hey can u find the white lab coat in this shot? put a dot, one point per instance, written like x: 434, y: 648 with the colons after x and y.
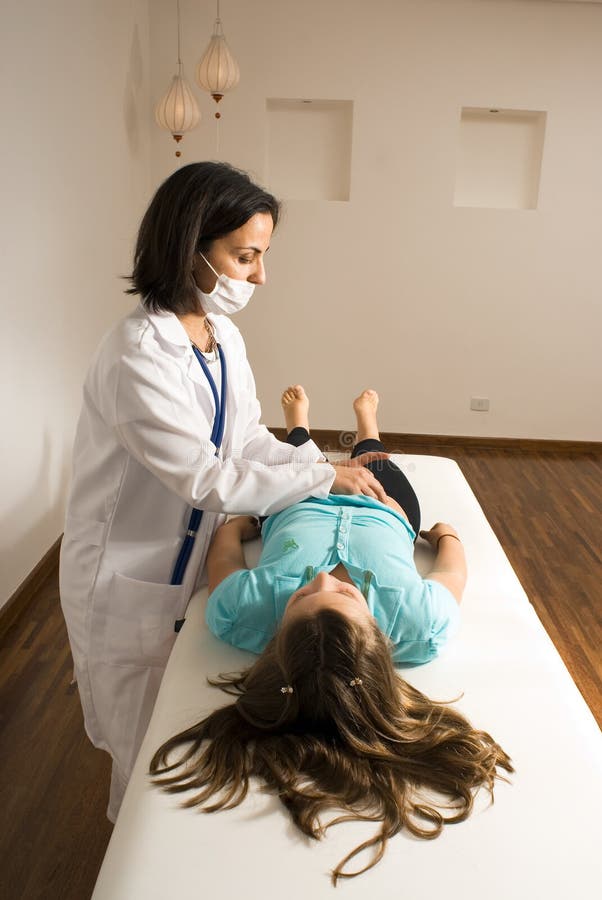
x: 142, y: 457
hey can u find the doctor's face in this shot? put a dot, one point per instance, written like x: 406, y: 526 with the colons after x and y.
x: 327, y: 592
x: 239, y: 254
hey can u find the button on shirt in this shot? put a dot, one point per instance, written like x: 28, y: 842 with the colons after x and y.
x: 373, y: 542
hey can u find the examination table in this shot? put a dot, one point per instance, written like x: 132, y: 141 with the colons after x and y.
x: 542, y: 838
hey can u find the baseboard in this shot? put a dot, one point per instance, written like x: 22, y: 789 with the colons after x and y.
x: 25, y: 593
x: 329, y: 439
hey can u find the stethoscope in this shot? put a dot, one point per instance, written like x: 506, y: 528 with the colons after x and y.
x: 217, y: 435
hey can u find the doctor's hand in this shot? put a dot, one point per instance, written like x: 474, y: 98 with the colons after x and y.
x: 245, y: 527
x: 352, y: 478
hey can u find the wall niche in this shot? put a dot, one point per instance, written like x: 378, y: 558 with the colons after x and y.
x: 308, y: 153
x: 499, y: 158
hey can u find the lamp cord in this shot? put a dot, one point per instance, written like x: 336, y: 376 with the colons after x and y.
x: 179, y: 54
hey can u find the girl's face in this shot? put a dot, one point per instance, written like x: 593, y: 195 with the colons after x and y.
x: 327, y: 592
x: 238, y: 254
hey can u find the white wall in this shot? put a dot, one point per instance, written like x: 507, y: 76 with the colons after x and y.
x: 74, y: 179
x: 397, y: 288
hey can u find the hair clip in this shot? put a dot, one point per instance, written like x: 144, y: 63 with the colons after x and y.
x: 355, y: 682
x: 286, y: 689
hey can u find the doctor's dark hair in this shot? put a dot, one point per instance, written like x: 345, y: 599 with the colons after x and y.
x: 192, y: 208
x: 325, y: 722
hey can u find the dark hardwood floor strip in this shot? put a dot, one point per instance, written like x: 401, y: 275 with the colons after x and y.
x: 53, y: 783
x: 23, y: 596
x: 340, y: 441
x: 545, y: 508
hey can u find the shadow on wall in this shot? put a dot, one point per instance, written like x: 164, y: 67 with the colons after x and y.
x: 133, y: 99
x: 42, y: 507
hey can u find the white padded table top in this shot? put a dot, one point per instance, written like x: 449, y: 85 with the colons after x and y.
x: 541, y: 838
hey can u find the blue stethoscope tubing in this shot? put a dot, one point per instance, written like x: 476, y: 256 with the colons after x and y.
x: 217, y: 435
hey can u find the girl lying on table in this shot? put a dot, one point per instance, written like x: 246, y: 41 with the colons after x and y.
x: 322, y: 717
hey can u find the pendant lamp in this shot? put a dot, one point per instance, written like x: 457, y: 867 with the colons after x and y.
x: 178, y: 111
x: 218, y: 71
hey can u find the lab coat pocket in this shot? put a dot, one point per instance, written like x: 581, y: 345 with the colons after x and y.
x: 140, y: 621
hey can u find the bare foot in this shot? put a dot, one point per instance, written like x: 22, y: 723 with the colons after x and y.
x: 365, y: 407
x: 295, y: 405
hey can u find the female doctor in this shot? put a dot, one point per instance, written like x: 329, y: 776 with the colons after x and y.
x: 168, y: 441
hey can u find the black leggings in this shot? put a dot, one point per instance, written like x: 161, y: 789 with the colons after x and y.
x: 394, y: 482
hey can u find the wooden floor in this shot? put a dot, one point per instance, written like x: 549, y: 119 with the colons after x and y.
x: 545, y: 509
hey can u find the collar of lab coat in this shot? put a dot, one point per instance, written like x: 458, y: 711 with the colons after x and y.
x: 173, y: 332
x: 169, y: 327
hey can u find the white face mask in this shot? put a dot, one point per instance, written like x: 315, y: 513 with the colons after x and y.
x: 229, y: 295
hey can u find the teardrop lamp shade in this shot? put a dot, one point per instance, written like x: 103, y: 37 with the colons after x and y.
x: 217, y: 71
x: 178, y: 111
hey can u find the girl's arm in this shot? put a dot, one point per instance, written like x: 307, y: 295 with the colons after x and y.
x: 449, y: 568
x: 226, y: 554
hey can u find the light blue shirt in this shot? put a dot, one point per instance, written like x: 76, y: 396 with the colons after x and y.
x: 373, y: 542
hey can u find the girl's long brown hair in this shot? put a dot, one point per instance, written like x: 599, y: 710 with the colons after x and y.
x: 351, y: 735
